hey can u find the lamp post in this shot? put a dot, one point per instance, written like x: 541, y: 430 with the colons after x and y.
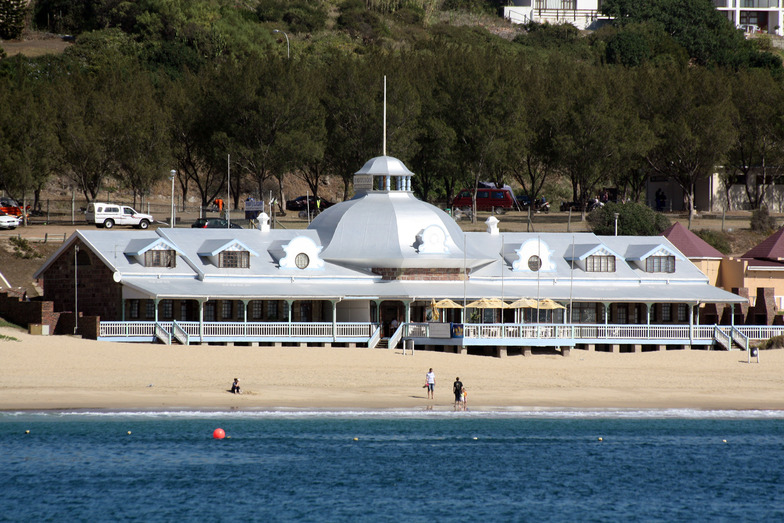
x: 172, y: 175
x: 76, y: 286
x: 288, y: 47
x: 616, y: 223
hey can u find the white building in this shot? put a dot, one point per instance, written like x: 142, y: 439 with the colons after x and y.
x: 380, y: 260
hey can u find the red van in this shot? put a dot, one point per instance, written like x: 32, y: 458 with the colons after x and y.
x: 486, y: 199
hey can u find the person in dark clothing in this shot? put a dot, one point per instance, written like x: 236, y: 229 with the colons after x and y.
x: 235, y: 387
x: 457, y: 388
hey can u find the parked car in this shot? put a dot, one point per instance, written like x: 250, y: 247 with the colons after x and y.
x: 301, y: 203
x: 486, y: 199
x: 213, y: 223
x: 11, y: 207
x: 110, y: 214
x: 8, y: 222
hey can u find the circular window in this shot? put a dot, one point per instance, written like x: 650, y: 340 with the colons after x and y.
x: 302, y: 260
x: 534, y: 263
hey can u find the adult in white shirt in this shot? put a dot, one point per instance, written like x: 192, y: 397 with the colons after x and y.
x: 430, y: 380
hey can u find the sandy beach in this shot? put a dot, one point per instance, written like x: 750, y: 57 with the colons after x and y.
x: 62, y: 372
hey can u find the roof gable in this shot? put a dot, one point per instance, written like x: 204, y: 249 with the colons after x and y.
x: 215, y: 247
x: 139, y: 246
x: 641, y: 252
x: 580, y: 252
x: 771, y: 248
x: 691, y: 245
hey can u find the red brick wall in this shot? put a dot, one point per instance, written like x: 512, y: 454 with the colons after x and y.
x: 437, y: 274
x: 99, y: 295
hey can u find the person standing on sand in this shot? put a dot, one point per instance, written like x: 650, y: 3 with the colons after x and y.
x: 430, y: 381
x: 457, y: 388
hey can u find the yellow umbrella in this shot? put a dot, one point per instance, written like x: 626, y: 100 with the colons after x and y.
x: 447, y: 304
x: 547, y: 303
x: 488, y: 303
x: 523, y: 303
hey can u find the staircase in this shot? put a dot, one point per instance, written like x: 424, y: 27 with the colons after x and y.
x: 383, y: 343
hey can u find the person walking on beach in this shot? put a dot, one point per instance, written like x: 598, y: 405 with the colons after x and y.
x: 457, y: 388
x: 430, y: 381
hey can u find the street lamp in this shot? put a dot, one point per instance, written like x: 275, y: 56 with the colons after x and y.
x: 76, y: 286
x: 172, y: 174
x: 288, y: 47
x: 616, y: 222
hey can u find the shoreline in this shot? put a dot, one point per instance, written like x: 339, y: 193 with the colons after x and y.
x: 65, y: 373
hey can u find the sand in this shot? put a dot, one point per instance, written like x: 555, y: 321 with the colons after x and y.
x: 64, y: 372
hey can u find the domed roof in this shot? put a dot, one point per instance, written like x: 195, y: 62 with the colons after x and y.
x: 391, y: 228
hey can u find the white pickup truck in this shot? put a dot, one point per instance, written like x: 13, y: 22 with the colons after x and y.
x: 109, y: 214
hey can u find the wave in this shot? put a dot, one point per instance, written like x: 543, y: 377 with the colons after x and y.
x: 499, y: 413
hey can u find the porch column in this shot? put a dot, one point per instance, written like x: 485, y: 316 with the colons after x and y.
x: 377, y: 319
x: 334, y: 320
x: 201, y: 319
x: 407, y: 314
x: 157, y: 301
x: 291, y: 304
x: 245, y: 316
x: 122, y: 309
x: 648, y: 320
x: 732, y: 315
x: 606, y: 317
x: 691, y: 324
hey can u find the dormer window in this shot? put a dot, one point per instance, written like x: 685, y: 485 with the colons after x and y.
x: 234, y: 260
x: 597, y: 263
x: 160, y: 258
x: 660, y: 264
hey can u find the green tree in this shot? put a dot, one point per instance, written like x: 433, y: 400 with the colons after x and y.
x: 12, y: 18
x: 757, y: 151
x: 634, y: 219
x: 29, y: 150
x: 689, y: 111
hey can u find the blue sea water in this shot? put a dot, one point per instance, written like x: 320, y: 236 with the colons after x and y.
x: 393, y: 466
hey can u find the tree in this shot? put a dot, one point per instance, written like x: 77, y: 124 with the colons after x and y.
x: 757, y: 152
x: 533, y: 150
x: 29, y: 151
x: 634, y: 219
x: 481, y: 111
x: 689, y: 111
x: 588, y: 144
x: 12, y: 18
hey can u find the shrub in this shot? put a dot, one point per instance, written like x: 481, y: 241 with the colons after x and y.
x: 762, y: 221
x: 776, y: 342
x: 23, y: 249
x: 716, y: 239
x: 634, y: 219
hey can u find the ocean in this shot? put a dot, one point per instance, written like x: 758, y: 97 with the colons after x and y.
x: 537, y: 465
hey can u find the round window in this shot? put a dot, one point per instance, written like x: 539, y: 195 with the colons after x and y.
x: 534, y: 263
x: 302, y: 260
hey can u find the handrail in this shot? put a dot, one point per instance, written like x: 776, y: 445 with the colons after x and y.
x: 180, y: 334
x: 162, y: 334
x: 396, y: 337
x: 738, y: 337
x: 722, y: 338
x: 375, y: 338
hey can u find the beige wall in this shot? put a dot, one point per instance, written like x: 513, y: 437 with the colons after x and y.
x: 731, y: 274
x: 709, y: 268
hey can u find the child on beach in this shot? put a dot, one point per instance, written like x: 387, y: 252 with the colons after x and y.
x: 465, y: 398
x: 235, y: 387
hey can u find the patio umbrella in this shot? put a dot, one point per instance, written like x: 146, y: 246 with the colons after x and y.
x: 488, y: 303
x: 547, y: 303
x: 523, y: 303
x: 447, y: 304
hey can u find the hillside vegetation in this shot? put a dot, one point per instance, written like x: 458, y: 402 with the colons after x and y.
x: 293, y: 90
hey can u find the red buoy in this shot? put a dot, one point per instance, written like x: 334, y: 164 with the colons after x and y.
x: 218, y: 434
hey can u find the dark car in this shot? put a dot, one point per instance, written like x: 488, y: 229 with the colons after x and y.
x: 213, y: 223
x: 301, y: 203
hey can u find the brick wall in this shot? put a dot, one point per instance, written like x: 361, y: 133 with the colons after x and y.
x: 98, y: 293
x: 40, y: 312
x: 437, y: 274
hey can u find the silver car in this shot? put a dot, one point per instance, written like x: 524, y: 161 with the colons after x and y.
x: 8, y: 222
